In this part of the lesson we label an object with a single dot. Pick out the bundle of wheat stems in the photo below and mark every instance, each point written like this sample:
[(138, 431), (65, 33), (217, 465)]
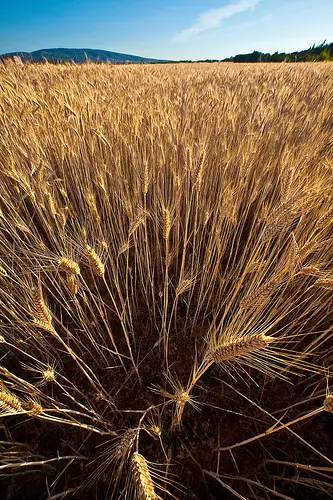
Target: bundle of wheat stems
[(166, 270)]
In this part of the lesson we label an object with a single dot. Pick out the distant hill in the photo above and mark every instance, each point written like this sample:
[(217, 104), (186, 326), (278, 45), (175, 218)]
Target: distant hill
[(79, 56)]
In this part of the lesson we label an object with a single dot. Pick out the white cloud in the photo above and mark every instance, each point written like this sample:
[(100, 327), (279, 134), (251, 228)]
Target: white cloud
[(212, 18)]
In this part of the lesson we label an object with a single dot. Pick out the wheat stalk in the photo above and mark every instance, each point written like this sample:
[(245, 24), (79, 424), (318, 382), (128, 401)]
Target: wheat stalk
[(294, 260), (34, 406), (181, 398)]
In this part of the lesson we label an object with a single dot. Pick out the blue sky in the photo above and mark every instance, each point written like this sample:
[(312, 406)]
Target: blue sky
[(170, 29)]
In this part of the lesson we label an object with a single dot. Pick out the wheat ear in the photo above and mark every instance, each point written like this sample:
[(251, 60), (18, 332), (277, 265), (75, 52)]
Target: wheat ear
[(34, 406), (325, 283), (180, 398), (41, 314), (9, 403), (328, 404), (259, 296), (68, 265), (310, 271), (277, 227), (294, 260), (73, 283), (166, 223), (325, 220), (142, 479), (3, 272), (285, 208), (96, 264), (235, 349)]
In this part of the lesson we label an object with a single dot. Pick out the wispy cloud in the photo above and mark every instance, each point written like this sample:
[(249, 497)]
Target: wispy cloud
[(212, 18)]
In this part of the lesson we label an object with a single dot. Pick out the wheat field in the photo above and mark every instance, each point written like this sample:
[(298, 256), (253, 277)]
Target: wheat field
[(166, 277)]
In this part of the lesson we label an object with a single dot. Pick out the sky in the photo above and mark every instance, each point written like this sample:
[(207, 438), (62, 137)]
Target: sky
[(166, 29)]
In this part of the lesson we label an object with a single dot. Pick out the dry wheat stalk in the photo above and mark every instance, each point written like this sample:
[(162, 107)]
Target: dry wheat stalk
[(143, 482), (146, 179), (124, 248), (52, 204), (95, 262), (259, 296), (68, 265), (125, 444), (234, 349), (156, 430), (137, 222)]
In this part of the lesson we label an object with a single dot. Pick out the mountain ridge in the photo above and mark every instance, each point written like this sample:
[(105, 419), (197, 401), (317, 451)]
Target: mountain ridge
[(79, 55)]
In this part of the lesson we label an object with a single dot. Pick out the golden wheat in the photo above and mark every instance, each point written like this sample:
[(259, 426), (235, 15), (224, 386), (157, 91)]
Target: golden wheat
[(143, 483), (328, 404), (9, 403), (259, 296), (230, 350), (96, 264), (68, 265), (197, 193)]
